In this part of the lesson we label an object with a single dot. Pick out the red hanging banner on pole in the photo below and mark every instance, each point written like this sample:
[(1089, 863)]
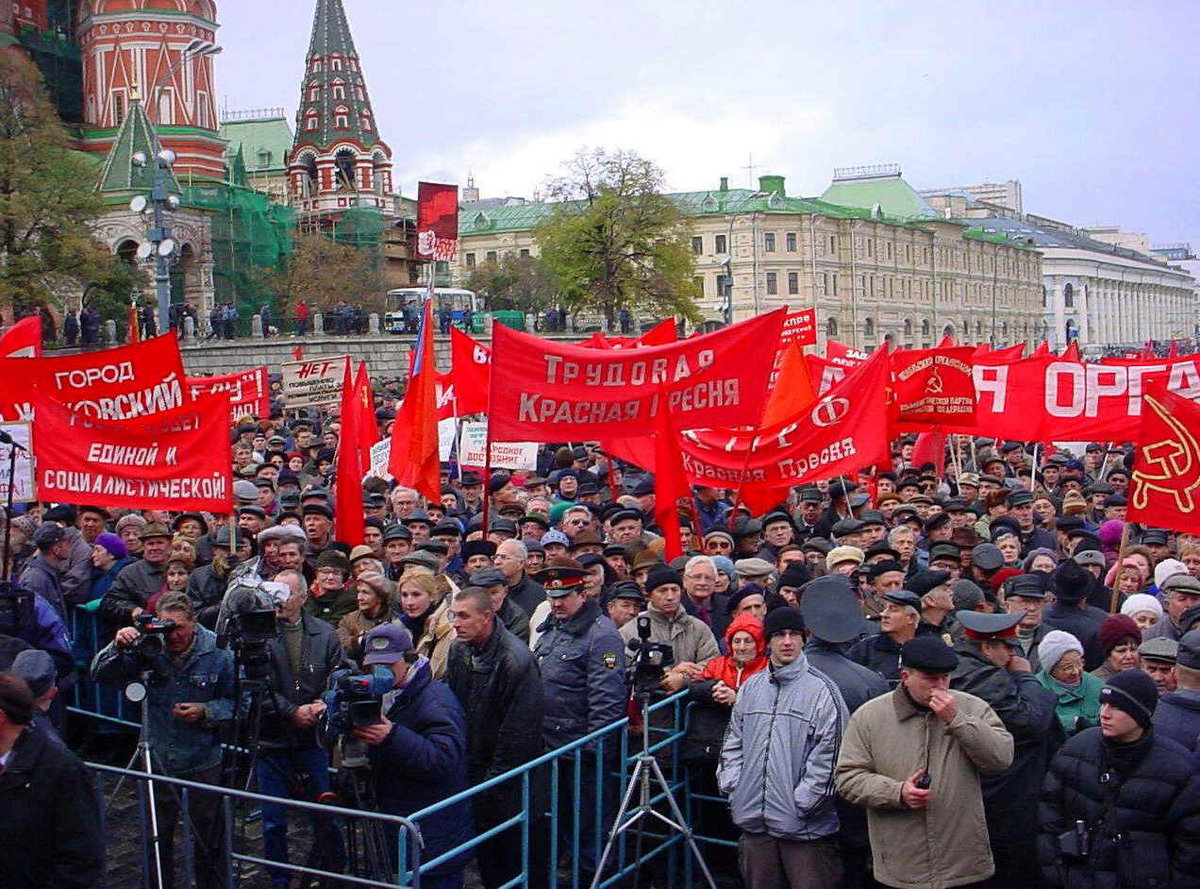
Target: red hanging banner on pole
[(23, 339), (471, 371), (933, 387), (437, 221), (1165, 486), (165, 461)]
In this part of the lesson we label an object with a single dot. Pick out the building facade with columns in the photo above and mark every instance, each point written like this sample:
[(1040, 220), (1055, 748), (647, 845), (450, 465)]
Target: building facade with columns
[(1096, 288), (873, 260)]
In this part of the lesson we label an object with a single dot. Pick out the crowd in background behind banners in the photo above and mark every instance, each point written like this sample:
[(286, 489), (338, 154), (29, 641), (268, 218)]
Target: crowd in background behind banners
[(992, 599)]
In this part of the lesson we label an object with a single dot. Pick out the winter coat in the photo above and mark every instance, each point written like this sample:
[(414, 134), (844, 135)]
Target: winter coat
[(207, 590), (887, 740), (1178, 718), (40, 577), (1143, 820), (423, 761), (779, 752), (332, 606), (75, 576), (515, 620), (690, 639), (1027, 710), (353, 626), (50, 832), (132, 589), (500, 689), (583, 675), (1077, 708), (707, 720), (881, 653), (434, 643), (527, 594), (102, 579), (320, 655), (718, 615), (204, 677)]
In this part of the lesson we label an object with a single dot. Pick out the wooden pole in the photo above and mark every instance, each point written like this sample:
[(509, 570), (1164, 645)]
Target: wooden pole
[(1112, 605)]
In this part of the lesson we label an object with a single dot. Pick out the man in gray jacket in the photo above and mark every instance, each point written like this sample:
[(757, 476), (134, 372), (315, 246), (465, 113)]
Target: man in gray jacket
[(777, 766)]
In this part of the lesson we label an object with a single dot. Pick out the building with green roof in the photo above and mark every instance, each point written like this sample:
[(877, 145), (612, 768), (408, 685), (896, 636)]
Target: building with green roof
[(258, 146), (880, 263)]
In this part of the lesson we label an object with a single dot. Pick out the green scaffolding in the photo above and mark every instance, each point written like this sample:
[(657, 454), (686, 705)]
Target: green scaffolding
[(251, 238)]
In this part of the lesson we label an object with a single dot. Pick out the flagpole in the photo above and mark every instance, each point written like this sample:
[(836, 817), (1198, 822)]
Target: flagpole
[(1033, 472), (1112, 605)]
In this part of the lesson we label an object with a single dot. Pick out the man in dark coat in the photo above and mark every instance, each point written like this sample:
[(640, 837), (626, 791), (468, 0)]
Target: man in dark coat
[(41, 573), (1178, 713), (991, 668), (418, 751), (495, 678), (1073, 614), (127, 597), (511, 558), (1120, 806), (50, 833), (899, 621), (832, 620)]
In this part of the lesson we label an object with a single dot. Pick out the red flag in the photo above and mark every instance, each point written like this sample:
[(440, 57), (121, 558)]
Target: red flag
[(1042, 349), (364, 406), (134, 334), (947, 342), (443, 386), (1166, 473), (670, 483), (659, 335), (413, 460), (23, 339), (933, 386), (437, 222), (347, 486), (840, 353), (1147, 350), (1071, 352), (162, 461), (793, 392), (472, 373), (298, 353), (1173, 351), (249, 391), (930, 448)]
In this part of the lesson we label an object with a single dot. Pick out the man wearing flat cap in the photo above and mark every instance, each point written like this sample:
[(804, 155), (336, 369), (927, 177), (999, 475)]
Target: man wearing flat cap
[(991, 667), (1180, 592), (913, 759), (899, 621)]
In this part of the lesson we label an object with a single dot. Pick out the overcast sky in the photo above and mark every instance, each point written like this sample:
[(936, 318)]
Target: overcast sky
[(1092, 106)]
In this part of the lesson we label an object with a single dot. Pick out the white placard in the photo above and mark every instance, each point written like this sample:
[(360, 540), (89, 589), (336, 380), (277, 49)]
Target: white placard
[(314, 382), (23, 490), (472, 444), (514, 454), (381, 451)]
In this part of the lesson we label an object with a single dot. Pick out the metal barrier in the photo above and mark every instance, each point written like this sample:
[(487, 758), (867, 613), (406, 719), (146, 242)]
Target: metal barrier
[(563, 807), (101, 701)]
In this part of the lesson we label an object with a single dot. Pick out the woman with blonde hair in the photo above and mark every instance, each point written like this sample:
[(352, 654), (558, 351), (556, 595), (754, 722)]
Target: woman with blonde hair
[(425, 610)]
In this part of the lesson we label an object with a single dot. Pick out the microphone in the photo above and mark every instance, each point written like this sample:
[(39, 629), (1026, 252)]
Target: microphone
[(7, 439)]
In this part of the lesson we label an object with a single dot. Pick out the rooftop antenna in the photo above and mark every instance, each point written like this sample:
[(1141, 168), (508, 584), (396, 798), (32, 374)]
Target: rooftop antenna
[(750, 168)]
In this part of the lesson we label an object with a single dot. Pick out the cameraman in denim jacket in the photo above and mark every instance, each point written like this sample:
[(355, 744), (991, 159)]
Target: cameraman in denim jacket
[(189, 694)]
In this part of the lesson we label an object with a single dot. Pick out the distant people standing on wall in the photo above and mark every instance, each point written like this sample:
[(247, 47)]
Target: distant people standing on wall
[(214, 320), (70, 329), (302, 317), (264, 316), (148, 321), (89, 326)]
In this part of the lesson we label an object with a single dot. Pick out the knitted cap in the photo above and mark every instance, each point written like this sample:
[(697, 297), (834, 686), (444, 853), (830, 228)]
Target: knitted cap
[(1139, 602), (1056, 645), (1116, 627), (781, 619), (1133, 692)]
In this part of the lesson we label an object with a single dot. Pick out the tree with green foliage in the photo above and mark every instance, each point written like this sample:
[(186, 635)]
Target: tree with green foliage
[(48, 203), (614, 241), (519, 283), (320, 271)]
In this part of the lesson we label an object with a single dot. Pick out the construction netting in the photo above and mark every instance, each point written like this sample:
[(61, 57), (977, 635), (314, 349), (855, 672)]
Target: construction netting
[(251, 235), (359, 227)]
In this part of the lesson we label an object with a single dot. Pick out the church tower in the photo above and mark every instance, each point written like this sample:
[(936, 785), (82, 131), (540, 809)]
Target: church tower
[(163, 53), (337, 162)]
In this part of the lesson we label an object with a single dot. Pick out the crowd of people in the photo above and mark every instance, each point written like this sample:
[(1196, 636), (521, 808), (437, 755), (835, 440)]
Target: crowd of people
[(918, 677)]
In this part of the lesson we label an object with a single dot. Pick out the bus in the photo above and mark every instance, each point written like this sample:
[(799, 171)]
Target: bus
[(404, 305)]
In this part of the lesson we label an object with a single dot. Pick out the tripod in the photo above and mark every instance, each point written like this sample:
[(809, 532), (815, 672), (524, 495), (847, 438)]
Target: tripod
[(645, 773), (136, 692), (366, 841)]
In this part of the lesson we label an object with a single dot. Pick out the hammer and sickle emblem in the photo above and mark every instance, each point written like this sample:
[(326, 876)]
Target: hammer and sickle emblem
[(1172, 464), (934, 384)]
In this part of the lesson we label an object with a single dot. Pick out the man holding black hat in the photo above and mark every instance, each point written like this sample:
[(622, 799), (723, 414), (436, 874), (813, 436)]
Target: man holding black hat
[(777, 765), (991, 668), (913, 759), (1120, 805)]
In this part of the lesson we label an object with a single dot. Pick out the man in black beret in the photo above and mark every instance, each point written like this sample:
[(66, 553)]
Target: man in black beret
[(1020, 508), (907, 758), (991, 667), (778, 531), (937, 600)]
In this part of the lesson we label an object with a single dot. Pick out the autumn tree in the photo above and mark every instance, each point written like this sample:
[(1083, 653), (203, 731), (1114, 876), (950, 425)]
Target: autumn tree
[(48, 202), (320, 271), (614, 241), (520, 283)]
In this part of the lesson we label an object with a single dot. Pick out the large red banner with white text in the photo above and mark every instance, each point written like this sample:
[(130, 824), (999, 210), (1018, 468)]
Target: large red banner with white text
[(174, 460), (471, 371), (111, 384), (548, 391), (249, 391)]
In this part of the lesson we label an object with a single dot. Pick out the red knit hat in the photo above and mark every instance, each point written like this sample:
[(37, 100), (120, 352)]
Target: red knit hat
[(1115, 628)]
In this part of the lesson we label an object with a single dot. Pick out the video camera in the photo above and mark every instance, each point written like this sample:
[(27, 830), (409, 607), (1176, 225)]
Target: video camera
[(651, 660), (356, 699), (149, 643), (251, 623)]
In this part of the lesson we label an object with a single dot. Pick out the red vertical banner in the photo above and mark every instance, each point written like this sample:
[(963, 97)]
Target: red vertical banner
[(413, 459), (472, 373), (1165, 486), (348, 519), (437, 221), (23, 339), (134, 332)]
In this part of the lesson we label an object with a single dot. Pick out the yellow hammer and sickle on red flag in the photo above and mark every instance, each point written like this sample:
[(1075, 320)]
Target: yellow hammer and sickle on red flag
[(1173, 464)]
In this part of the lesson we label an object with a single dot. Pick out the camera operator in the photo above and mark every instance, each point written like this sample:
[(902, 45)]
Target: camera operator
[(190, 692), (291, 761), (418, 750)]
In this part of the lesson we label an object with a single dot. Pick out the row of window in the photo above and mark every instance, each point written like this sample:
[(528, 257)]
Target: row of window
[(339, 92), (335, 64), (491, 256), (341, 120)]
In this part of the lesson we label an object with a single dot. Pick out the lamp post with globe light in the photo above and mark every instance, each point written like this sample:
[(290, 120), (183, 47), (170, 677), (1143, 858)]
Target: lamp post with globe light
[(159, 242)]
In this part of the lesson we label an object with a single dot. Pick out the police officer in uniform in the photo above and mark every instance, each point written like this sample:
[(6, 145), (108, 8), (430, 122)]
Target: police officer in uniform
[(581, 657)]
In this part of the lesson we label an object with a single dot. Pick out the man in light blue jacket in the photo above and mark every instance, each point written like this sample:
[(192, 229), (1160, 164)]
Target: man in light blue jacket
[(777, 766)]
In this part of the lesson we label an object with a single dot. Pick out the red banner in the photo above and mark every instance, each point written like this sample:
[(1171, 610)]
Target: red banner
[(437, 221), (249, 391), (823, 373), (23, 339), (549, 391), (659, 335), (799, 328), (840, 353), (111, 384), (1166, 474), (174, 460), (472, 371), (933, 387), (843, 432), (443, 387)]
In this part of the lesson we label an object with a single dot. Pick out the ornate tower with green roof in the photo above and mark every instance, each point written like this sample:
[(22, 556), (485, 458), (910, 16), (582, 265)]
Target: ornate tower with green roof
[(338, 161)]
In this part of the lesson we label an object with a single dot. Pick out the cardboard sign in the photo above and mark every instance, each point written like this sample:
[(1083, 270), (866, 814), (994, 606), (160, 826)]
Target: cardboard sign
[(514, 455), (314, 382), (472, 444), (22, 480), (380, 452)]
